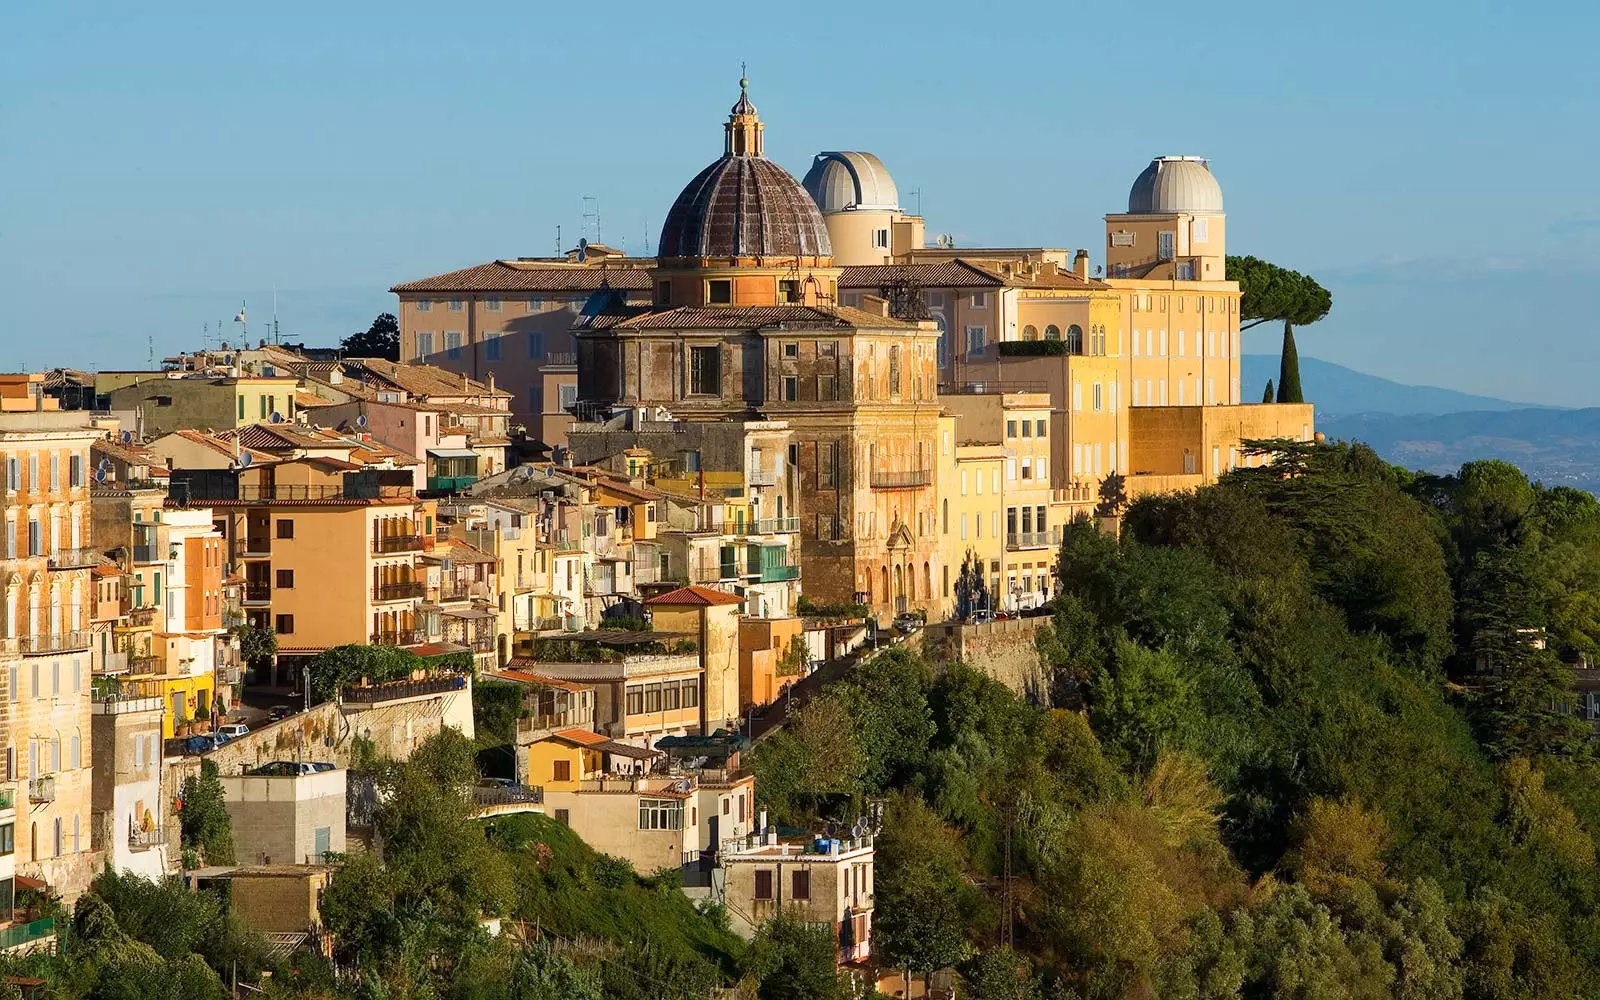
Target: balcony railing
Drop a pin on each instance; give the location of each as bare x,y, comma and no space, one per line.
61,642
481,643
455,592
901,480
140,617
561,358
143,840
42,789
599,586
112,663
225,492
762,477
505,795
402,591
146,553
564,543
555,720
778,574
74,558
20,935
396,690
255,546
397,543
257,593
401,637
1027,539
144,664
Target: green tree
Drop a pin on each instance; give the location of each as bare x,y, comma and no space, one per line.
256,645
380,340
1267,395
791,960
1270,293
205,823
921,901
333,669
972,590
1113,495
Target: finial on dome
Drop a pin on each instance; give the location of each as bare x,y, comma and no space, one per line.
744,107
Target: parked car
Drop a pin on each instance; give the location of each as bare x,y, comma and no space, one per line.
906,622
232,731
277,712
291,768
200,744
981,617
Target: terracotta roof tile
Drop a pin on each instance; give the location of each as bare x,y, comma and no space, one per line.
695,595
536,276
936,274
582,736
418,379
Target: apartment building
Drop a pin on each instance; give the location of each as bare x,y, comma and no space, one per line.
711,617
46,569
130,811
154,403
817,881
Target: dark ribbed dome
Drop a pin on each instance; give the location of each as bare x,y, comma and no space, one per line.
744,206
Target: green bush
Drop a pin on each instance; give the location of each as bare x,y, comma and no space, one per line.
1033,348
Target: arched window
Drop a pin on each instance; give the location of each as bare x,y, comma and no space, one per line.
1030,332
1074,339
1052,332
944,340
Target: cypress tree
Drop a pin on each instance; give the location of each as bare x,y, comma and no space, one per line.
1268,396
1289,369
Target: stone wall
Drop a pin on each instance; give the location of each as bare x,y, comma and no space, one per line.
1004,650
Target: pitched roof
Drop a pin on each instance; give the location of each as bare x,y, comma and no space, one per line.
582,737
510,673
695,595
536,276
741,318
421,380
267,437
935,274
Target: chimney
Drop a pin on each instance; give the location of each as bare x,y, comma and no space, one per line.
336,375
466,383
491,383
875,304
1080,263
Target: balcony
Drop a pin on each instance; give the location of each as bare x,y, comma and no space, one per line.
375,694
403,591
397,543
901,480
1027,539
63,642
599,586
143,617
401,637
505,795
144,665
561,358
143,840
564,543
112,663
779,574
452,591
255,547
762,477
481,643
450,484
230,492
257,593
144,552
74,558
24,937
42,789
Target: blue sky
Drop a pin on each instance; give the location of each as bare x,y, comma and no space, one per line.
1433,163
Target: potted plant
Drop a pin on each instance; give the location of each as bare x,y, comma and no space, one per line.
202,718
181,725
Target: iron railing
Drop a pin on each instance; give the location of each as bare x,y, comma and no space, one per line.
762,477
255,546
455,592
1027,539
397,543
395,690
42,788
143,840
399,637
402,591
61,642
74,558
901,480
987,386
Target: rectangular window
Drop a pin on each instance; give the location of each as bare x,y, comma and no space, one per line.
763,884
636,701
705,371
14,474
800,885
567,396
719,292
827,465
8,838
1011,428
76,470
561,771
456,305
285,579
827,388
564,817
980,300
1027,468
491,305
974,340
880,239
491,346
1099,400
55,473
791,388
452,344
284,625
1200,231
424,351
661,814
285,527
1163,343
789,291
535,345
423,305
1077,397
1038,428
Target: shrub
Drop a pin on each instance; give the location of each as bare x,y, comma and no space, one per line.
1033,348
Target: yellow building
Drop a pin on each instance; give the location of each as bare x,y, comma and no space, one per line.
712,618
46,567
565,759
162,402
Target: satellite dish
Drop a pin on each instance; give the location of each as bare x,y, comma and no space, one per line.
276,418
127,437
100,474
583,249
245,459
104,465
361,420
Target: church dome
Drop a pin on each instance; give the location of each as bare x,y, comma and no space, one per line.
1175,184
744,205
846,181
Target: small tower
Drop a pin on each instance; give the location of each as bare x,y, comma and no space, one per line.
1174,228
744,128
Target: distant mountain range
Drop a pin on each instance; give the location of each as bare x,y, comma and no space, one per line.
1339,390
1436,430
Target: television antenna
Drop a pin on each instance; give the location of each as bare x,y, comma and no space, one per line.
591,210
916,193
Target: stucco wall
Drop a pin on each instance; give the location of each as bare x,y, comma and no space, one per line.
275,820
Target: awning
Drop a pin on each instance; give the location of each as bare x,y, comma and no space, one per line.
452,453
472,613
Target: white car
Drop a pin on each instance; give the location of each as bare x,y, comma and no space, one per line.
233,731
